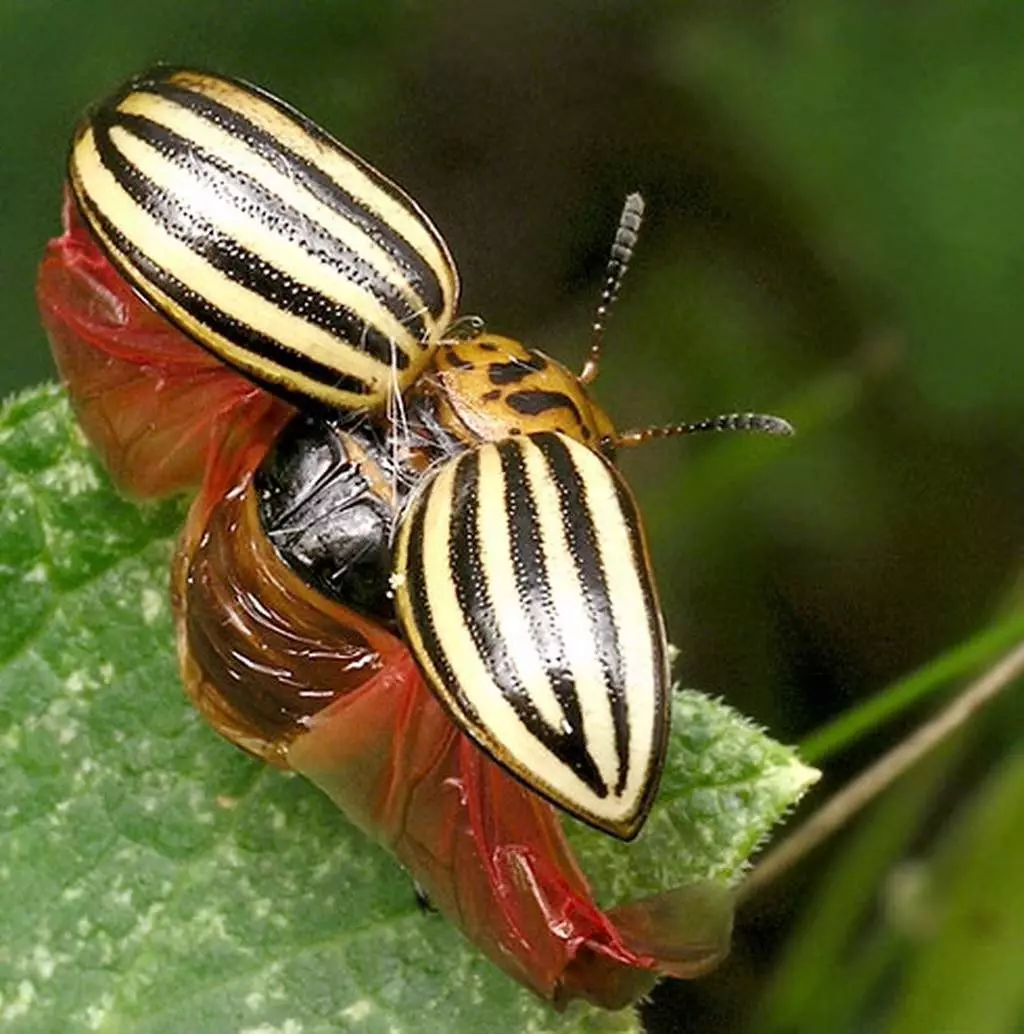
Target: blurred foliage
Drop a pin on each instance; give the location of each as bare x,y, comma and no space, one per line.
836,233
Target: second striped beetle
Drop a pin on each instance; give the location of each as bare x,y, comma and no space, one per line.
450,482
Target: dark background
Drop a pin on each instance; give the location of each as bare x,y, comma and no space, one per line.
835,233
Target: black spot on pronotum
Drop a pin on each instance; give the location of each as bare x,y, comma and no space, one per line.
491,396
533,403
516,370
456,362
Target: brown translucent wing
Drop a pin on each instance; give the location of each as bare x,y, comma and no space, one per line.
261,652
150,400
491,854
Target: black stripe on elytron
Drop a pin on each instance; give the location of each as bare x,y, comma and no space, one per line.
583,538
534,401
216,319
239,264
326,190
632,518
241,192
419,605
534,591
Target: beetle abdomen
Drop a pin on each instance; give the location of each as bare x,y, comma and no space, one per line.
524,589
327,500
264,238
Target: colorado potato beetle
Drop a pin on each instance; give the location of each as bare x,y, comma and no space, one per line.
522,580
521,575
416,545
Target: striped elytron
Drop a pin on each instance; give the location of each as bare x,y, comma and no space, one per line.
526,593
263,238
519,575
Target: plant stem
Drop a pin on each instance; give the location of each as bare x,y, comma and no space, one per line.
837,811
852,725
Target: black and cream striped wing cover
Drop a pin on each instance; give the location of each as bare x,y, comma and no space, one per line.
262,237
524,589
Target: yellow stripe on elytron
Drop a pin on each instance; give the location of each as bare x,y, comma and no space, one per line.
499,575
630,607
403,602
442,603
239,155
276,251
573,620
108,197
264,369
409,222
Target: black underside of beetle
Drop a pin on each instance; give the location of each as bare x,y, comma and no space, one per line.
330,494
323,513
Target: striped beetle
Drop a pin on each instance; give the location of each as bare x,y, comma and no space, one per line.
522,578
473,501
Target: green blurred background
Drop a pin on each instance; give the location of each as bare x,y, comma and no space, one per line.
835,233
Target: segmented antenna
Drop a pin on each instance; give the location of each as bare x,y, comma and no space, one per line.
618,262
755,423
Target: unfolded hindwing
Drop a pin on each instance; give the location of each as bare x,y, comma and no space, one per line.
524,589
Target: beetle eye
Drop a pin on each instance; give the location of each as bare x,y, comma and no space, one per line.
327,509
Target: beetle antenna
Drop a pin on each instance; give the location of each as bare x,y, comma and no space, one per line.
623,244
756,423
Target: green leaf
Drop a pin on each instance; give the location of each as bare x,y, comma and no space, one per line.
724,786
154,879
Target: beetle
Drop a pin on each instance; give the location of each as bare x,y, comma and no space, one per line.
413,504
521,575
284,669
